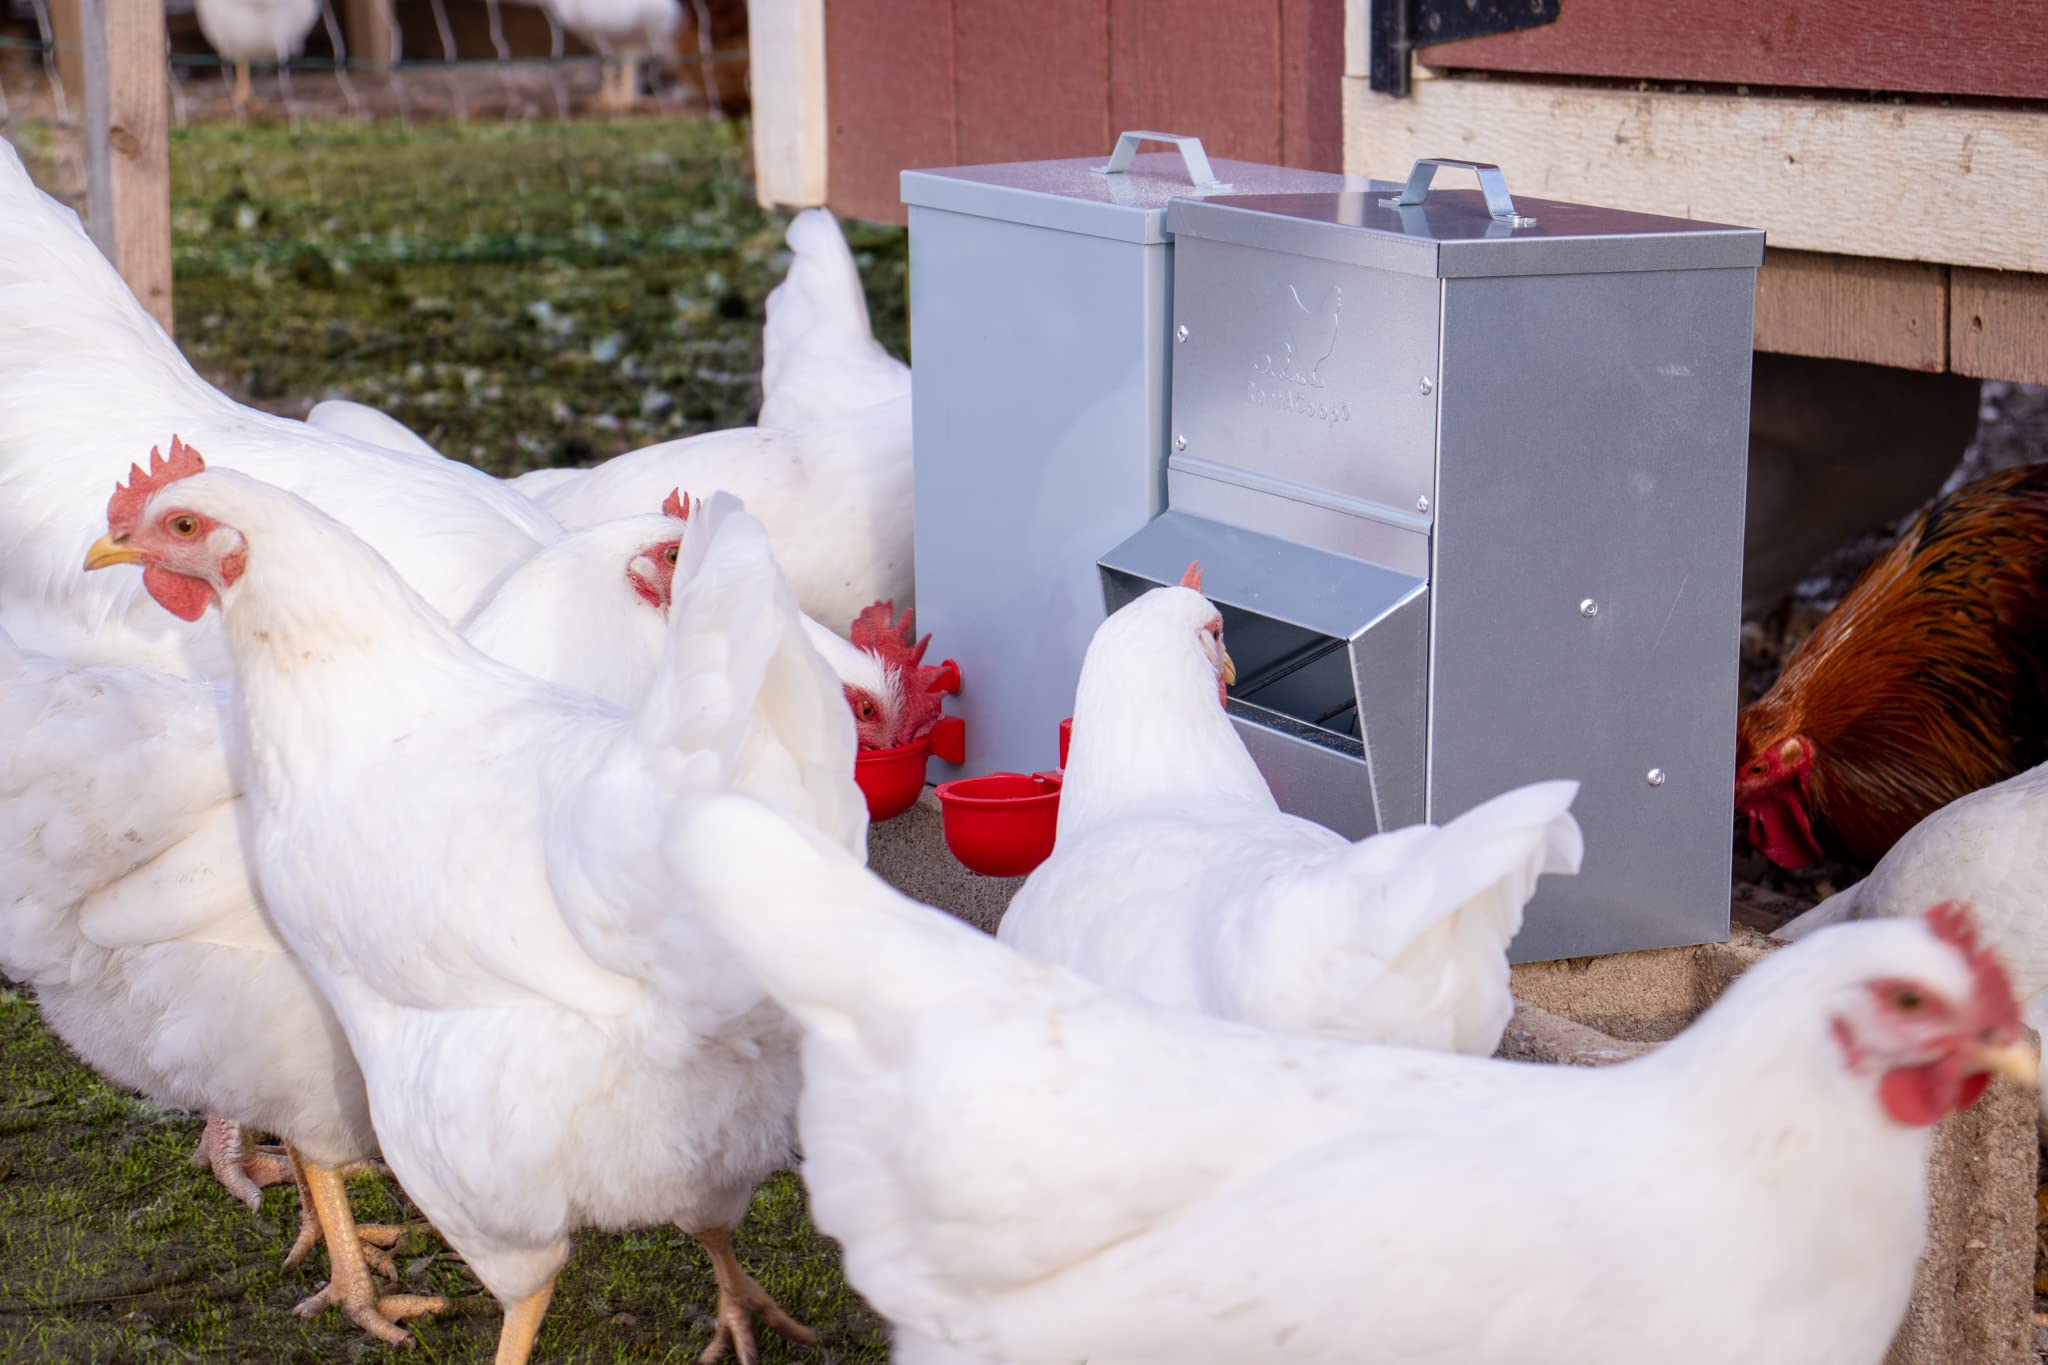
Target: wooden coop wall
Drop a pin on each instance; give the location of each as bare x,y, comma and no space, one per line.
912,83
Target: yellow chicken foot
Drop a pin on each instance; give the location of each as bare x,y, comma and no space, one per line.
374,1236
241,85
348,1284
522,1325
242,1170
739,1299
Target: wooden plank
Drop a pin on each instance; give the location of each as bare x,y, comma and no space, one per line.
1034,80
787,55
1312,84
1998,325
889,75
127,145
67,31
1918,182
1211,68
1957,47
1853,308
370,29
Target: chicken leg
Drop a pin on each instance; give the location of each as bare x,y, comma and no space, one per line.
739,1298
348,1276
241,86
377,1238
522,1325
242,1170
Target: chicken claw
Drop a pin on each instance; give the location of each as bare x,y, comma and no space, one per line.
375,1237
242,1170
348,1285
739,1298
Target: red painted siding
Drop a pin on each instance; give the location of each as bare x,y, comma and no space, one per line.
1954,47
950,82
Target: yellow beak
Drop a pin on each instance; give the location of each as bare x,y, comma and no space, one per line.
1229,670
2015,1061
107,551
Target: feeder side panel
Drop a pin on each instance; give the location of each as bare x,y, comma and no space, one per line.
1039,400
1587,583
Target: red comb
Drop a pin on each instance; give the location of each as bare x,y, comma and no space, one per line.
1193,577
1954,925
880,632
680,505
124,509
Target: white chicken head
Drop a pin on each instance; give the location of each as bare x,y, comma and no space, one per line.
1172,638
189,557
1932,1027
652,569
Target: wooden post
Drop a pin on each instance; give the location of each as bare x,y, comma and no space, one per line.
128,144
371,31
67,30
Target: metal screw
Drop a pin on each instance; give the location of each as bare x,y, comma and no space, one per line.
1589,608
1655,777
1180,333
1180,442
1422,506
1425,386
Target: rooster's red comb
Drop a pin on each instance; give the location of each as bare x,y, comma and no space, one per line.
124,509
681,505
1954,925
1193,577
893,640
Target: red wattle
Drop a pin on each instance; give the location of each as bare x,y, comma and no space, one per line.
184,598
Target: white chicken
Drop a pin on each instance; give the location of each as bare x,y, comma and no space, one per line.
1176,876
1984,850
245,31
134,915
550,1037
623,32
361,422
88,380
1026,1170
833,485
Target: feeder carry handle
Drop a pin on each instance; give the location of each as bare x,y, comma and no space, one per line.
1492,184
1191,154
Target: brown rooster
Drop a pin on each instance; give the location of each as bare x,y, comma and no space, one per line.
1929,681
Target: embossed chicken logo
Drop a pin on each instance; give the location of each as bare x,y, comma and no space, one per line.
1311,336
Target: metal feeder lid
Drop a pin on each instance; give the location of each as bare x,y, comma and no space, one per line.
1122,198
1483,232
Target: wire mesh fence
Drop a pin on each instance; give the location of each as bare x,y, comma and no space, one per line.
453,242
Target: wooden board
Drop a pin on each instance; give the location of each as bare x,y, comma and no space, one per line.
1945,184
1312,84
1209,69
889,76
1032,80
1853,308
786,60
127,145
1998,325
1955,47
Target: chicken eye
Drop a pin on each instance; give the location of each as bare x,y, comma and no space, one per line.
1907,1000
670,555
184,526
867,710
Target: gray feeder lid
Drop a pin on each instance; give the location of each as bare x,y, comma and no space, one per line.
1128,204
1445,233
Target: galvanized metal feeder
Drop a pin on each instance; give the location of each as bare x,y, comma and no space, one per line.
1465,477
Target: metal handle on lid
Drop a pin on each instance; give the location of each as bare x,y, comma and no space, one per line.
1499,206
1191,154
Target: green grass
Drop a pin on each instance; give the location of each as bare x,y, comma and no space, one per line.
522,296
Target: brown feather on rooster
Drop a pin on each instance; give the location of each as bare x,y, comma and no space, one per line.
1928,682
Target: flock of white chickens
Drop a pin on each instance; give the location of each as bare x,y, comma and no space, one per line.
507,832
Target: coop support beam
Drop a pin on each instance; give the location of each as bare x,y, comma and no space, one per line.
1948,184
67,32
786,59
127,144
370,29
